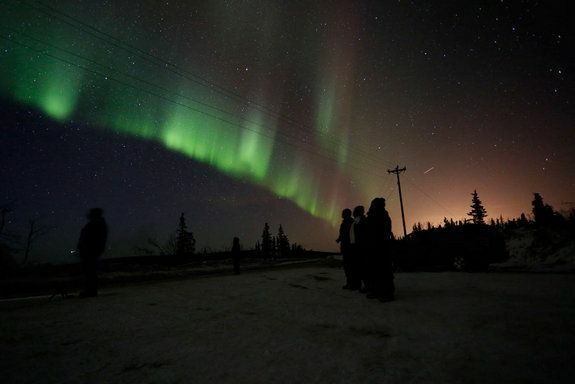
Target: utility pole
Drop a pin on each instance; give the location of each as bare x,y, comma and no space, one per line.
397,171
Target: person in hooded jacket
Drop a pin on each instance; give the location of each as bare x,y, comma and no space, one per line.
358,240
345,247
379,259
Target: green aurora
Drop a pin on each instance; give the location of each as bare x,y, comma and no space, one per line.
69,81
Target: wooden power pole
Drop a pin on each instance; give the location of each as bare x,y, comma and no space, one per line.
397,171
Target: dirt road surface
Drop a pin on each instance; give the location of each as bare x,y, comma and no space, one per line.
298,326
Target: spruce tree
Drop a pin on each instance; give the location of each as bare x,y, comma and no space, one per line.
478,212
542,213
282,243
266,241
185,242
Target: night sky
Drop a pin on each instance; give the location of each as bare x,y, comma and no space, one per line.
244,112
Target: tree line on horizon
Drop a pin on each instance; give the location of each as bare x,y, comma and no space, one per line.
475,242
542,216
182,243
276,246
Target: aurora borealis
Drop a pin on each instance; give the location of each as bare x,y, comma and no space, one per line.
303,105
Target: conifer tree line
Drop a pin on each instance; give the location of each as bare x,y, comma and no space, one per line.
542,215
276,246
182,242
269,247
272,246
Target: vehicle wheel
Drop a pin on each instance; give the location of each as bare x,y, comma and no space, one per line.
459,263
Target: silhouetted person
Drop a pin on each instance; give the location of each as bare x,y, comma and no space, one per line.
236,255
379,259
91,245
345,247
358,241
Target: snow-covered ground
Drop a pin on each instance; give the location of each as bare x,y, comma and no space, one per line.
525,254
298,326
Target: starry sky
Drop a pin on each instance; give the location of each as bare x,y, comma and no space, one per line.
244,112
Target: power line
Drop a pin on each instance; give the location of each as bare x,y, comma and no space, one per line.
431,198
136,78
131,76
110,39
109,77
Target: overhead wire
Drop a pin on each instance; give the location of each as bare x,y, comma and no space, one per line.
229,122
430,197
201,81
174,69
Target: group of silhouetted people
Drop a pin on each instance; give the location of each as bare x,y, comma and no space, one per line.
365,242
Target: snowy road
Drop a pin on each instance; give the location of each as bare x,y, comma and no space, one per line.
298,326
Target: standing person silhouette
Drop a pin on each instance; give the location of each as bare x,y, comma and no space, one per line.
379,259
358,245
345,247
91,246
236,255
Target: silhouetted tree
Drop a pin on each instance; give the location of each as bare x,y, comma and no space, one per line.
167,248
266,241
282,242
185,242
542,213
478,212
